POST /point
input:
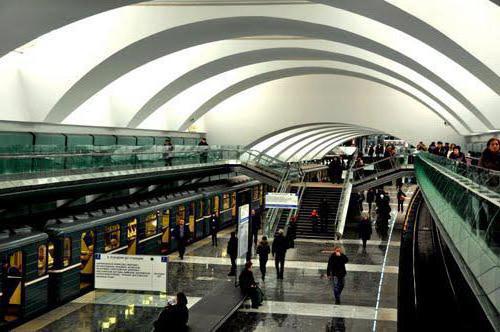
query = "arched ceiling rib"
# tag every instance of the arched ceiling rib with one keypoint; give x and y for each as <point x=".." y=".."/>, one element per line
<point x="245" y="58"/>
<point x="292" y="151"/>
<point x="283" y="143"/>
<point x="181" y="37"/>
<point x="303" y="151"/>
<point x="278" y="74"/>
<point x="42" y="16"/>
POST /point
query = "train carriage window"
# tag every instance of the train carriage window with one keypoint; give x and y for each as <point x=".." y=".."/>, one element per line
<point x="225" y="201"/>
<point x="151" y="224"/>
<point x="181" y="214"/>
<point x="42" y="260"/>
<point x="132" y="237"/>
<point x="233" y="203"/>
<point x="111" y="237"/>
<point x="51" y="254"/>
<point x="16" y="262"/>
<point x="216" y="203"/>
<point x="66" y="251"/>
<point x="255" y="193"/>
<point x="192" y="208"/>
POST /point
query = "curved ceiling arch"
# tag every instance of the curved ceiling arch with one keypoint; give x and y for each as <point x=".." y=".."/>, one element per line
<point x="332" y="141"/>
<point x="230" y="62"/>
<point x="313" y="125"/>
<point x="57" y="13"/>
<point x="294" y="137"/>
<point x="304" y="143"/>
<point x="283" y="73"/>
<point x="387" y="13"/>
<point x="329" y="145"/>
<point x="172" y="40"/>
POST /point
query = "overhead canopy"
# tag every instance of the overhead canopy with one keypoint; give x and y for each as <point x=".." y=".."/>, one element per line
<point x="240" y="70"/>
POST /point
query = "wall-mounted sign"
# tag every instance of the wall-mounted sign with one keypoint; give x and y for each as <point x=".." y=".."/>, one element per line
<point x="282" y="200"/>
<point x="131" y="272"/>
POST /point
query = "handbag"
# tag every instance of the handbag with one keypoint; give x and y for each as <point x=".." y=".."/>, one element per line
<point x="260" y="295"/>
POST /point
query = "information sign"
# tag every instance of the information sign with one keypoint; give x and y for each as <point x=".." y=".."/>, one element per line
<point x="282" y="200"/>
<point x="131" y="272"/>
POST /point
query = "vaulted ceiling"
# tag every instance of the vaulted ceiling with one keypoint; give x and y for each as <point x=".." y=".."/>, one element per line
<point x="243" y="70"/>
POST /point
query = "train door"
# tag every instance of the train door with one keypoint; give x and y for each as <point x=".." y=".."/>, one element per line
<point x="87" y="259"/>
<point x="199" y="218"/>
<point x="206" y="221"/>
<point x="12" y="286"/>
<point x="132" y="237"/>
<point x="165" y="228"/>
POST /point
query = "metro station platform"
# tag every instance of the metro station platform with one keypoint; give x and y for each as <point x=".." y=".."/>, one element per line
<point x="302" y="301"/>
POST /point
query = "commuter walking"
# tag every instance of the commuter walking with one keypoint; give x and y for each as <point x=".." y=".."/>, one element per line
<point x="263" y="251"/>
<point x="256" y="224"/>
<point x="365" y="229"/>
<point x="401" y="199"/>
<point x="370" y="198"/>
<point x="279" y="249"/>
<point x="181" y="234"/>
<point x="214" y="227"/>
<point x="232" y="251"/>
<point x="336" y="272"/>
<point x="168" y="149"/>
<point x="323" y="214"/>
<point x="371" y="151"/>
<point x="314" y="220"/>
<point x="203" y="150"/>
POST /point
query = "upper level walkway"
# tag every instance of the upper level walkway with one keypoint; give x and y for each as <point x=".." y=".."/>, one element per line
<point x="101" y="165"/>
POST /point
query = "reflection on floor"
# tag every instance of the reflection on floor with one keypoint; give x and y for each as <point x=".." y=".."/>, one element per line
<point x="302" y="301"/>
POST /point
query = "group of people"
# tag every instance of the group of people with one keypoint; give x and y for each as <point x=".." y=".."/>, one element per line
<point x="168" y="151"/>
<point x="490" y="157"/>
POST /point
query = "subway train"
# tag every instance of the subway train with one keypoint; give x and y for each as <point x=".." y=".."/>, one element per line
<point x="41" y="269"/>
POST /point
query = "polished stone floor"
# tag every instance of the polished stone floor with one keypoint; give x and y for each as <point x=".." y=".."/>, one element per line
<point x="302" y="301"/>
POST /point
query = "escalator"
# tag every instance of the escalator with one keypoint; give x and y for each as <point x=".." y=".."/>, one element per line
<point x="433" y="292"/>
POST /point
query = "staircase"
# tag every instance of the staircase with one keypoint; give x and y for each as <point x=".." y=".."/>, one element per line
<point x="311" y="200"/>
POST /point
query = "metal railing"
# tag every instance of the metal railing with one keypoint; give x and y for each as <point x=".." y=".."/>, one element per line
<point x="479" y="177"/>
<point x="344" y="198"/>
<point x="379" y="168"/>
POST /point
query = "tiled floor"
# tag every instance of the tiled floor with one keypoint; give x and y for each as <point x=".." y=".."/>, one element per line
<point x="302" y="301"/>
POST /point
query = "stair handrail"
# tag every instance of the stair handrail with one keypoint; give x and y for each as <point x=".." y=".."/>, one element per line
<point x="389" y="164"/>
<point x="273" y="215"/>
<point x="346" y="190"/>
<point x="300" y="192"/>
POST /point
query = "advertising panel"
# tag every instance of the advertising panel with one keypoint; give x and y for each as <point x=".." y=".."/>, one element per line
<point x="243" y="225"/>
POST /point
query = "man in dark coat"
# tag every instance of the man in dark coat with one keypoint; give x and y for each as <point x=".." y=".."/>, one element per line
<point x="214" y="227"/>
<point x="336" y="272"/>
<point x="291" y="233"/>
<point x="181" y="234"/>
<point x="323" y="214"/>
<point x="365" y="229"/>
<point x="203" y="153"/>
<point x="174" y="317"/>
<point x="168" y="149"/>
<point x="278" y="250"/>
<point x="232" y="251"/>
<point x="256" y="223"/>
